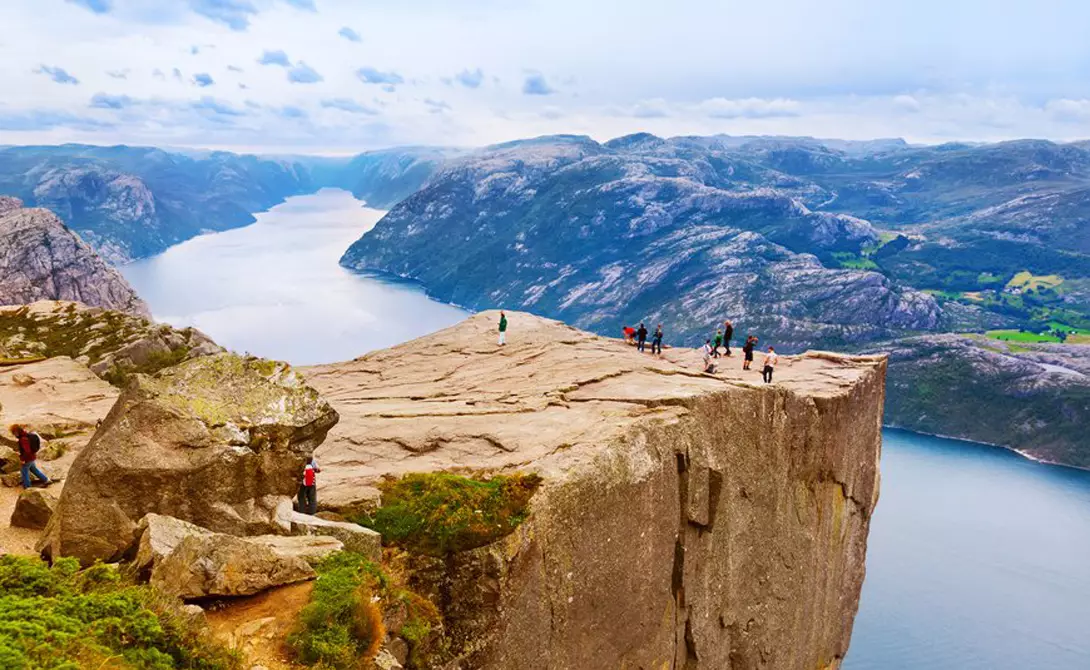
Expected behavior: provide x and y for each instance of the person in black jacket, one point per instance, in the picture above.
(656, 341)
(747, 349)
(728, 332)
(641, 337)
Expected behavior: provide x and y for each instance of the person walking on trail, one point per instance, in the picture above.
(641, 337)
(708, 365)
(656, 341)
(747, 349)
(718, 343)
(728, 333)
(503, 328)
(770, 365)
(29, 445)
(308, 490)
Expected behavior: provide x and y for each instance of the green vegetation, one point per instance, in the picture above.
(62, 618)
(1027, 281)
(439, 513)
(342, 626)
(1021, 336)
(156, 361)
(847, 259)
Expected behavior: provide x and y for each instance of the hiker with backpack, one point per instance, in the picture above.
(656, 342)
(308, 490)
(29, 445)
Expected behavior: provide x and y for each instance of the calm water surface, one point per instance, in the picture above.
(978, 560)
(274, 288)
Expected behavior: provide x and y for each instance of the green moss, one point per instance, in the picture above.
(159, 360)
(61, 617)
(439, 513)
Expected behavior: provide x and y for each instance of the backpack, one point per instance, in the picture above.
(35, 441)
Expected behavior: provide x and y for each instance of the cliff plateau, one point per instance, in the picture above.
(683, 519)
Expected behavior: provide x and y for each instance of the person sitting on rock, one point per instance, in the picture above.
(503, 328)
(656, 341)
(629, 334)
(770, 365)
(29, 444)
(308, 491)
(709, 367)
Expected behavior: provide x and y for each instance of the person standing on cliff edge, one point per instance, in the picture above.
(728, 332)
(747, 349)
(770, 365)
(503, 328)
(641, 337)
(656, 341)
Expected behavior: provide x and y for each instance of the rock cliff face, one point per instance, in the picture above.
(41, 259)
(218, 441)
(685, 520)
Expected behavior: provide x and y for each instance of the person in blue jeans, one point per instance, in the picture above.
(29, 444)
(656, 341)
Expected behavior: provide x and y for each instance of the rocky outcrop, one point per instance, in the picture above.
(41, 259)
(355, 538)
(683, 519)
(218, 441)
(34, 508)
(112, 344)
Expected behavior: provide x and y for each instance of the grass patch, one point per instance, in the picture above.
(1027, 281)
(342, 626)
(439, 513)
(159, 360)
(62, 617)
(847, 259)
(1021, 336)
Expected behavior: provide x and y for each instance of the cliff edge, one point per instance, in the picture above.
(684, 520)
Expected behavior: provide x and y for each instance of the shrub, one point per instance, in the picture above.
(439, 513)
(61, 617)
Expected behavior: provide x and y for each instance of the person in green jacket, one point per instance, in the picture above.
(503, 328)
(718, 343)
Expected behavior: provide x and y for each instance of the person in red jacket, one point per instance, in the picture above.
(308, 490)
(29, 444)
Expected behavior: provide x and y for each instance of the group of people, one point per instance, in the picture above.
(722, 339)
(638, 336)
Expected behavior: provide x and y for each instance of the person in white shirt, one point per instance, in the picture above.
(708, 366)
(770, 365)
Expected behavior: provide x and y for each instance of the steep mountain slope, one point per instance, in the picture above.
(132, 202)
(41, 259)
(639, 229)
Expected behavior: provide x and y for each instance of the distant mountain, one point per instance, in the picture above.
(381, 178)
(41, 259)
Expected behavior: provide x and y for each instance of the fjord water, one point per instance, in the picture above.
(978, 559)
(274, 288)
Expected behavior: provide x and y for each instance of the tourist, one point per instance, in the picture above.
(770, 365)
(308, 492)
(503, 328)
(29, 445)
(656, 341)
(641, 337)
(629, 334)
(728, 333)
(718, 343)
(708, 367)
(747, 349)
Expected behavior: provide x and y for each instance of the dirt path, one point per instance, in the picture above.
(258, 625)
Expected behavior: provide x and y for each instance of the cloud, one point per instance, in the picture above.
(347, 105)
(203, 79)
(535, 84)
(120, 74)
(906, 103)
(213, 107)
(277, 57)
(105, 101)
(235, 14)
(291, 112)
(349, 34)
(749, 108)
(552, 113)
(96, 6)
(158, 74)
(303, 4)
(436, 106)
(650, 109)
(370, 75)
(235, 68)
(303, 74)
(1069, 111)
(194, 50)
(470, 79)
(58, 75)
(177, 74)
(42, 119)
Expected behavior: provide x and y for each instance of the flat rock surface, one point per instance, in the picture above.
(551, 397)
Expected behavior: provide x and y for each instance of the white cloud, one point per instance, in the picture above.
(749, 108)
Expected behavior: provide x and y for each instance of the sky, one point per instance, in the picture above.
(341, 76)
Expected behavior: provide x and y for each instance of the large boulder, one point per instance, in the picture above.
(204, 565)
(34, 508)
(355, 537)
(159, 536)
(218, 441)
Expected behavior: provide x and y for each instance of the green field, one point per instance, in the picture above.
(1027, 281)
(847, 259)
(1019, 336)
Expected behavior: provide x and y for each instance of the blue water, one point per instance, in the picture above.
(978, 558)
(274, 288)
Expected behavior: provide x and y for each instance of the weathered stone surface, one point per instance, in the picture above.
(34, 508)
(218, 441)
(224, 565)
(685, 520)
(159, 536)
(41, 259)
(307, 547)
(354, 536)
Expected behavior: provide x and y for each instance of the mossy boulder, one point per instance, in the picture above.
(218, 441)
